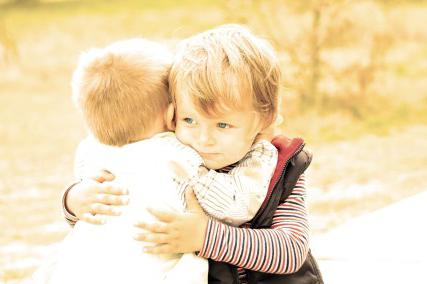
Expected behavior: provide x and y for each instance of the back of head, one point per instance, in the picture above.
(225, 66)
(122, 89)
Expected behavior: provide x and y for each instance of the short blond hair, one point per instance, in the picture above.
(225, 66)
(122, 88)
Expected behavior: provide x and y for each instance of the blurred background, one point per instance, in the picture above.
(354, 87)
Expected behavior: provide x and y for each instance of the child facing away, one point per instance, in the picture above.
(122, 92)
(230, 68)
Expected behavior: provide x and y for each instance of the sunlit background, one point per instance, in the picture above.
(354, 87)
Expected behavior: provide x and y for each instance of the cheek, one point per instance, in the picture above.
(241, 145)
(250, 134)
(183, 135)
(242, 148)
(236, 147)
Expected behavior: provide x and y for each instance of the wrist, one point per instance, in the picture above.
(68, 212)
(206, 240)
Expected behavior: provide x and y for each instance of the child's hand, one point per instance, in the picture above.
(93, 198)
(176, 232)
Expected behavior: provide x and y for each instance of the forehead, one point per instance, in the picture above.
(213, 108)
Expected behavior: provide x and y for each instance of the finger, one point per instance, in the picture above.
(103, 175)
(164, 248)
(95, 220)
(99, 208)
(110, 188)
(107, 175)
(192, 202)
(153, 238)
(155, 228)
(109, 199)
(162, 215)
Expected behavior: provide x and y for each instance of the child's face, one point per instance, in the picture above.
(220, 140)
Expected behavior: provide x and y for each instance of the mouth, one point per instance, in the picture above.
(208, 155)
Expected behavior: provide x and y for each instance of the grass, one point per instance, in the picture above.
(361, 162)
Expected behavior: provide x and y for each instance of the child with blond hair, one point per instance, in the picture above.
(122, 92)
(225, 84)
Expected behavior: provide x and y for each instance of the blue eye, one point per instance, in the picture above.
(188, 120)
(223, 125)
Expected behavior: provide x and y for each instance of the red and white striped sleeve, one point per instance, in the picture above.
(279, 249)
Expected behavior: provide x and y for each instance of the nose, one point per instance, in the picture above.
(206, 137)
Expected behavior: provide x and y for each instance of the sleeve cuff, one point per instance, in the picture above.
(201, 185)
(68, 215)
(208, 234)
(212, 234)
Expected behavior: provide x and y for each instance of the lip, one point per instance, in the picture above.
(208, 154)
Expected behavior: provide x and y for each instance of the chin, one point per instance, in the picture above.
(214, 165)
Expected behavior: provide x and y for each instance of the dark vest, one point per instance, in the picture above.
(293, 161)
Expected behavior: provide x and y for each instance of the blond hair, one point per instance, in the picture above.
(122, 88)
(225, 66)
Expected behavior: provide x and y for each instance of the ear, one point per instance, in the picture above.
(265, 124)
(170, 117)
(270, 129)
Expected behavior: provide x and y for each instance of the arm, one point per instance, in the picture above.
(69, 216)
(79, 168)
(279, 249)
(92, 199)
(235, 197)
(287, 239)
(93, 196)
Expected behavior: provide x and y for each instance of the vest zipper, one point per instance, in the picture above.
(297, 151)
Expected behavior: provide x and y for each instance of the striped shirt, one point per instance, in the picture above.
(279, 249)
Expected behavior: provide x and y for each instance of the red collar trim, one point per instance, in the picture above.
(286, 148)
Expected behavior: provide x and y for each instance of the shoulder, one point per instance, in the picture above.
(168, 147)
(292, 151)
(87, 144)
(287, 145)
(294, 158)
